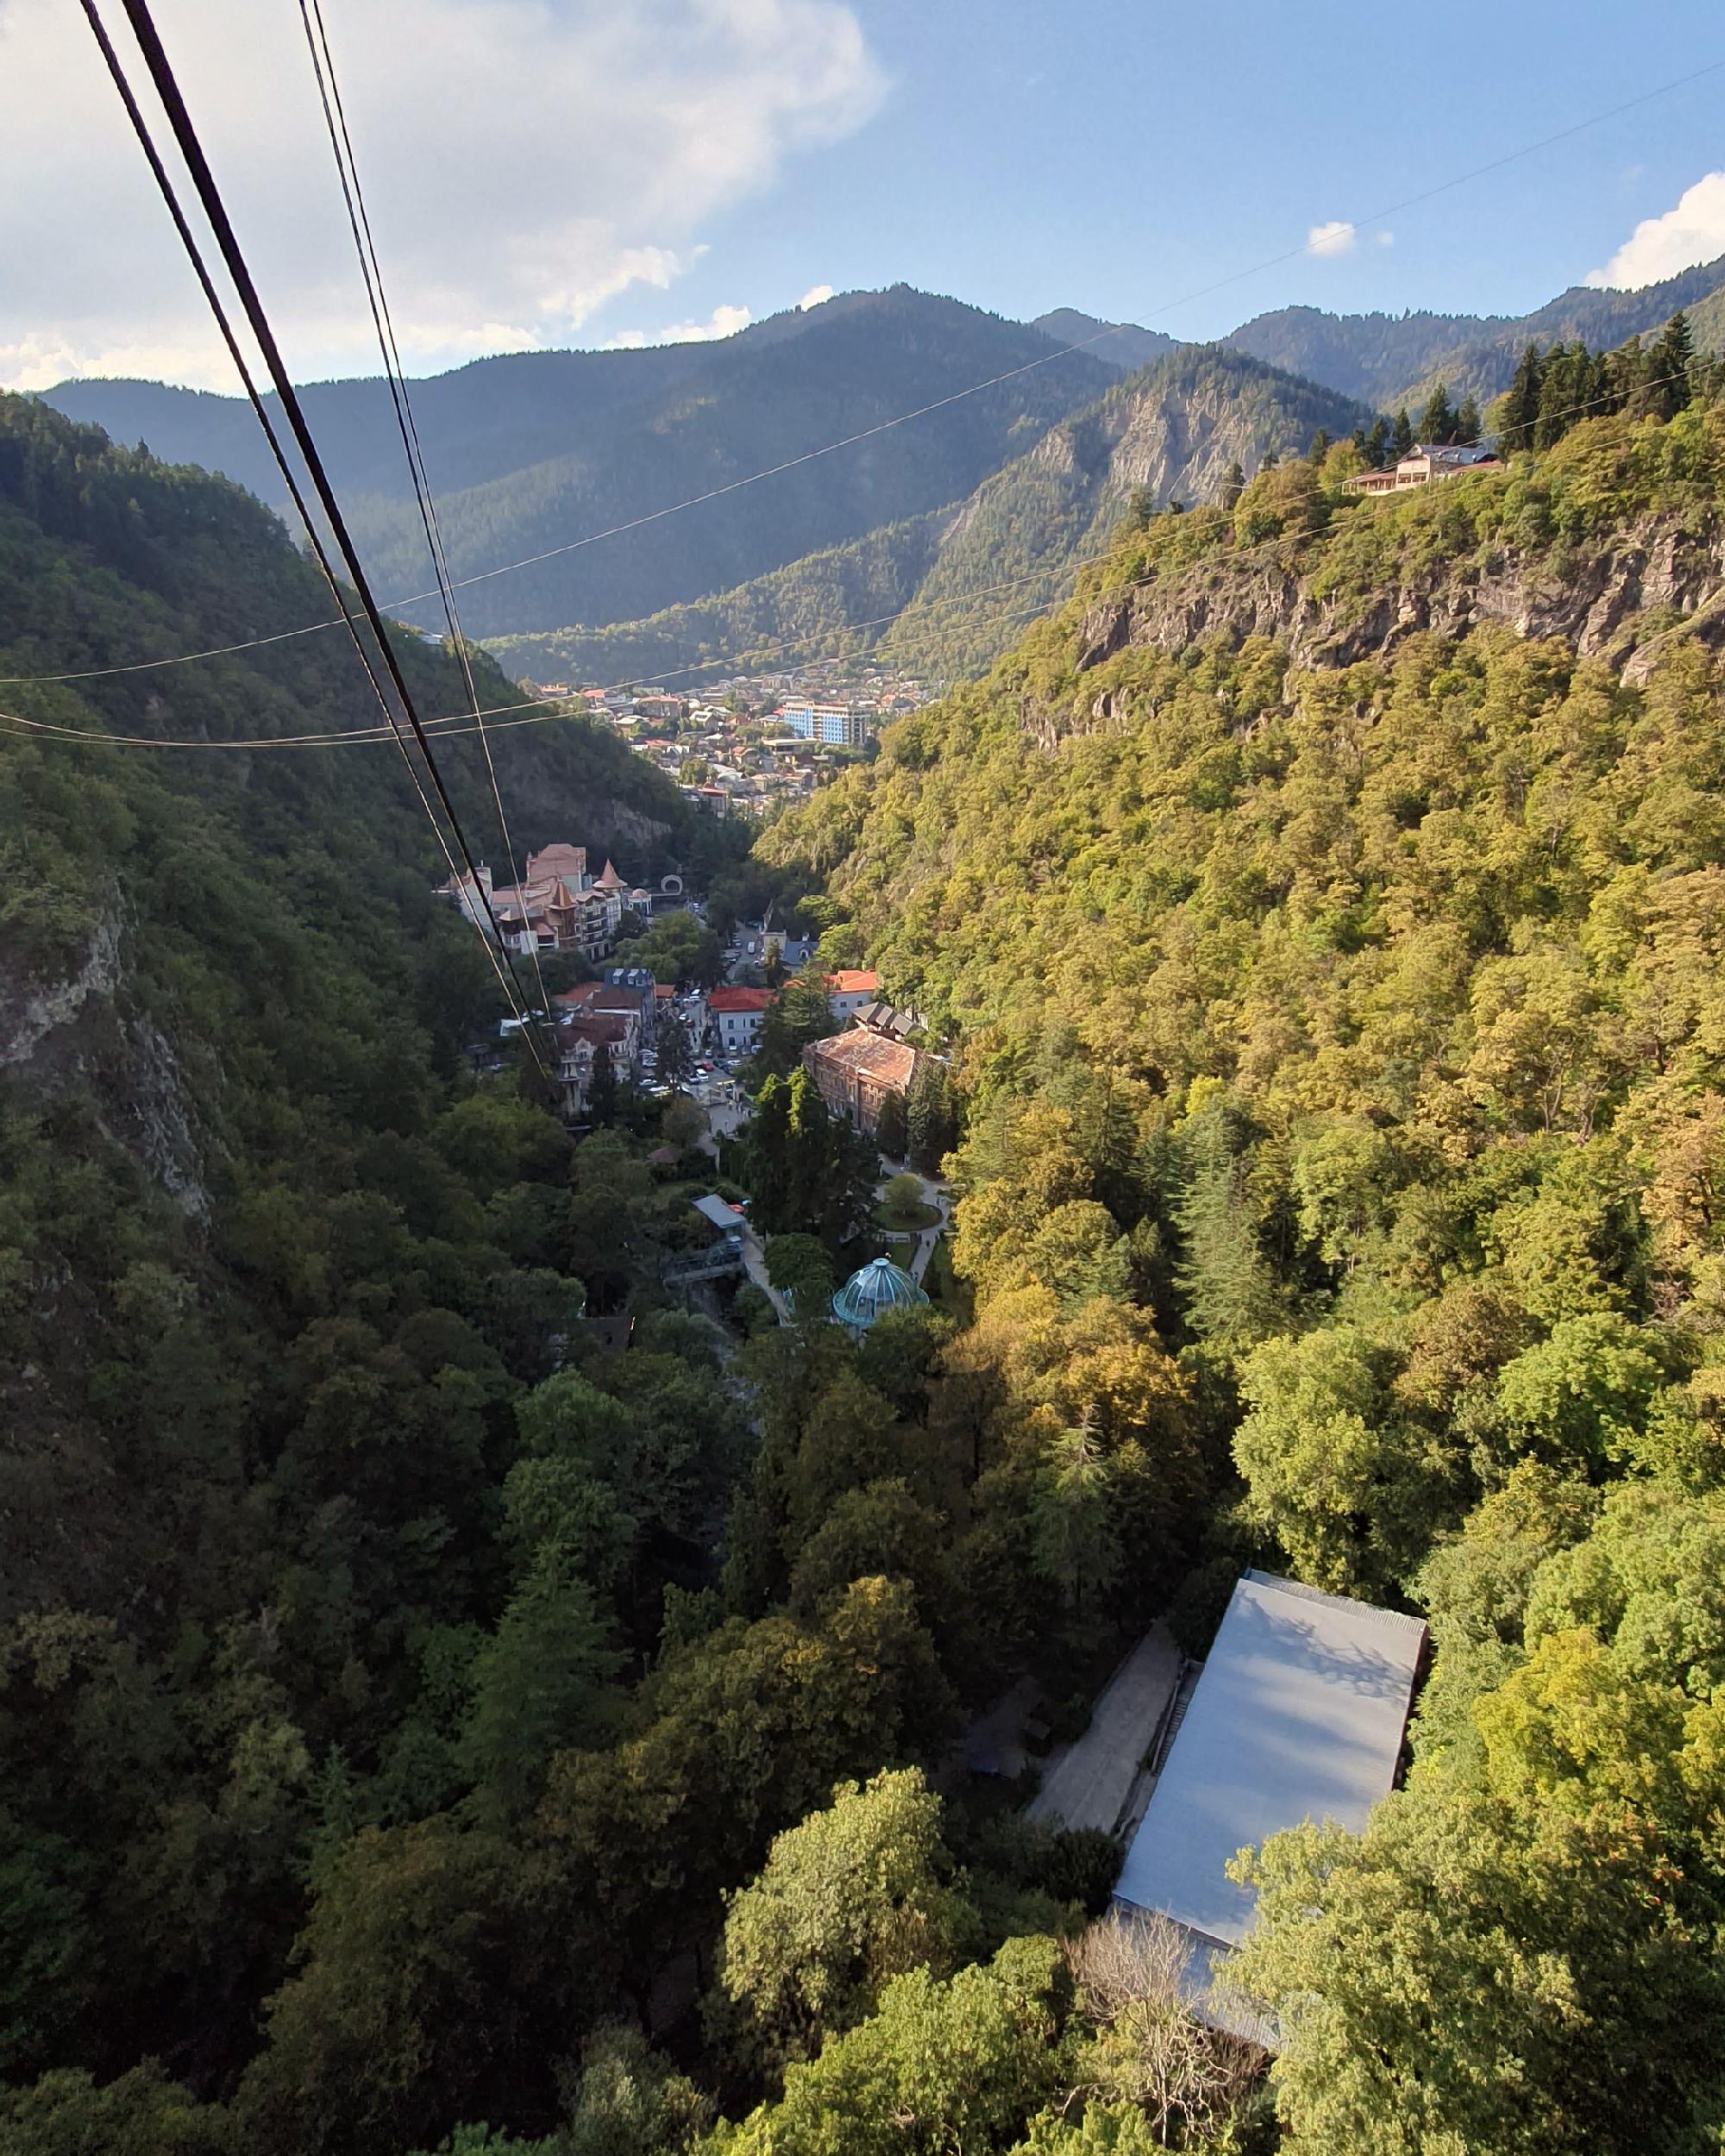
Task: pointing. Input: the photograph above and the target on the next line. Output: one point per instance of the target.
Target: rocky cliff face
(81, 1026)
(1621, 600)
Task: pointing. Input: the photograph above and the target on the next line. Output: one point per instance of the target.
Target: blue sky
(1115, 158)
(546, 172)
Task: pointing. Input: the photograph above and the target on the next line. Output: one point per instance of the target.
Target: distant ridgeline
(529, 452)
(1169, 434)
(578, 455)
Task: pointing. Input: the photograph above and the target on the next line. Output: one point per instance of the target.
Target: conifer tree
(892, 1133)
(1467, 420)
(1400, 436)
(1567, 387)
(931, 1127)
(1668, 368)
(1376, 444)
(1521, 408)
(1438, 421)
(1623, 372)
(1319, 446)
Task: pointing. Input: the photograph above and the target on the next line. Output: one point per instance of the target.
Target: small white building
(738, 1015)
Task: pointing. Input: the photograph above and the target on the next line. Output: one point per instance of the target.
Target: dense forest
(431, 1718)
(1340, 993)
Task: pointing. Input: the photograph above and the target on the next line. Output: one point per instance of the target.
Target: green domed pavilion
(880, 1285)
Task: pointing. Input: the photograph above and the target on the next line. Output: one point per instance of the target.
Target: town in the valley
(658, 1035)
(753, 743)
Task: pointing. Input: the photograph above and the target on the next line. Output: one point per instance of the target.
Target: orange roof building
(856, 1071)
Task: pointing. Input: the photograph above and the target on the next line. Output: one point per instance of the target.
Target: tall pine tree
(1520, 411)
(1438, 421)
(1400, 436)
(1668, 368)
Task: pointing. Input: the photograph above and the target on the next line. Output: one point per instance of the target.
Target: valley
(975, 1403)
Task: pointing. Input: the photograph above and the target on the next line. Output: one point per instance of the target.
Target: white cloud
(723, 321)
(1334, 238)
(816, 296)
(526, 162)
(1660, 247)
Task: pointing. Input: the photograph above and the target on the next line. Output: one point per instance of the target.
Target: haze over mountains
(1009, 483)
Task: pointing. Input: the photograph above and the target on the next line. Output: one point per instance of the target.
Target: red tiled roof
(612, 1031)
(723, 1000)
(853, 983)
(557, 861)
(866, 1054)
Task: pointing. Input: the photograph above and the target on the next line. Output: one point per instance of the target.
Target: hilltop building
(1423, 463)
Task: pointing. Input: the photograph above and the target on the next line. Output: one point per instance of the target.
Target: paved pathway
(1089, 1783)
(754, 1264)
(933, 1193)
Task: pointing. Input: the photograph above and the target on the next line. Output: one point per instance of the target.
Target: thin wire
(449, 722)
(209, 196)
(195, 253)
(359, 222)
(1186, 299)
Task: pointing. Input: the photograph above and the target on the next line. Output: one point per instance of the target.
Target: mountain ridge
(1169, 431)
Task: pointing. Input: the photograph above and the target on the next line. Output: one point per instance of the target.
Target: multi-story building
(849, 992)
(839, 725)
(556, 905)
(857, 1073)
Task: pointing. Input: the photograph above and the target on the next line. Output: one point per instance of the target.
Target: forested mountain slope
(1326, 907)
(531, 451)
(271, 1270)
(1168, 433)
(1393, 360)
(1324, 911)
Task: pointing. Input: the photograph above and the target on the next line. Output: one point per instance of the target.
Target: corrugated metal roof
(1299, 1715)
(720, 1211)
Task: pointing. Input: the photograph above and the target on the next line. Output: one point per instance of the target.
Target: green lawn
(909, 1221)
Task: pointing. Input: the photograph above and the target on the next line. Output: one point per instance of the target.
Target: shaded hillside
(809, 608)
(530, 452)
(1168, 433)
(1391, 360)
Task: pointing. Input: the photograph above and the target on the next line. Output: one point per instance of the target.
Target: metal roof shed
(1300, 1714)
(720, 1211)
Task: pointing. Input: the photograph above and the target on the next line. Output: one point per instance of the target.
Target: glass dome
(880, 1285)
